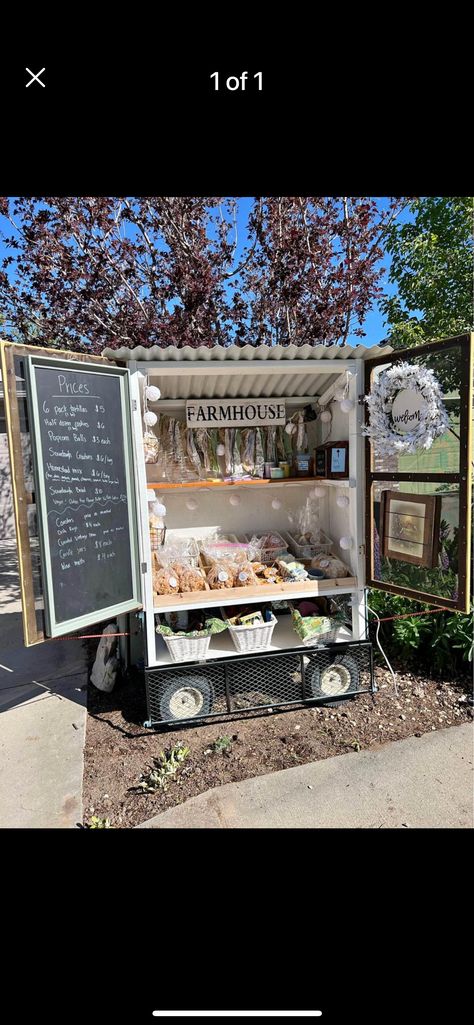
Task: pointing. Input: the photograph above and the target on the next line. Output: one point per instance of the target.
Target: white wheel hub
(185, 702)
(336, 679)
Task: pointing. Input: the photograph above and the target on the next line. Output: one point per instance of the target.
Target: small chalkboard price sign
(85, 491)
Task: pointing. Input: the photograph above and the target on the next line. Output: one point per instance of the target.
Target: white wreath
(434, 420)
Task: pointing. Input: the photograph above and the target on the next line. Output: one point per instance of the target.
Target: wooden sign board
(85, 491)
(234, 413)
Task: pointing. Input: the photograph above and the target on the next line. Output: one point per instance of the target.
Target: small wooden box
(320, 461)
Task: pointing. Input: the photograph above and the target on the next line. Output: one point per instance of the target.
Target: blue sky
(373, 324)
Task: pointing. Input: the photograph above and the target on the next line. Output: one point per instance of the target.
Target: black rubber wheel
(187, 698)
(338, 679)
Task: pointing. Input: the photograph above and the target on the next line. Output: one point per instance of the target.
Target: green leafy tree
(432, 265)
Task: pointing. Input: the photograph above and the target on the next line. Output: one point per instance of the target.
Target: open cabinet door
(418, 495)
(73, 481)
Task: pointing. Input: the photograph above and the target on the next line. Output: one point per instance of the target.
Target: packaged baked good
(244, 575)
(191, 579)
(332, 566)
(221, 574)
(165, 581)
(150, 447)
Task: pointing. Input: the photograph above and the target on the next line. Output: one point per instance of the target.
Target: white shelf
(221, 646)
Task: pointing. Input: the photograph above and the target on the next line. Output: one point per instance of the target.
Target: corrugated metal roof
(245, 352)
(285, 383)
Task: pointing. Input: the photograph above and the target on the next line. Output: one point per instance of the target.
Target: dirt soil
(118, 748)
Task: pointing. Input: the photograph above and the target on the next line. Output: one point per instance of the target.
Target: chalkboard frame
(134, 602)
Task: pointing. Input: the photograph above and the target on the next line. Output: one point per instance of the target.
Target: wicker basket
(187, 649)
(267, 555)
(251, 638)
(308, 551)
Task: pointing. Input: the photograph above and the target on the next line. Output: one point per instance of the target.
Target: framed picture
(410, 527)
(338, 459)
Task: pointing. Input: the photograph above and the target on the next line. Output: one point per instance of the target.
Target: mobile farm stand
(83, 531)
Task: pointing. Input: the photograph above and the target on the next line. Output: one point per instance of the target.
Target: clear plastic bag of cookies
(221, 574)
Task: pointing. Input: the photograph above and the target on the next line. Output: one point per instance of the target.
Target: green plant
(441, 642)
(165, 768)
(97, 823)
(222, 744)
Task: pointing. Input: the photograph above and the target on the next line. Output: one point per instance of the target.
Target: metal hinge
(144, 567)
(134, 405)
(361, 549)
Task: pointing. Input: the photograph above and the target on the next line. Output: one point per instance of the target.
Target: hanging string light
(342, 501)
(151, 394)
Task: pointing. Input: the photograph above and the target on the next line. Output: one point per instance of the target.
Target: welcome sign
(234, 413)
(408, 410)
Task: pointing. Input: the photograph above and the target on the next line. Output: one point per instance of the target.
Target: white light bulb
(150, 418)
(347, 405)
(346, 542)
(234, 500)
(191, 504)
(342, 501)
(318, 493)
(325, 416)
(159, 509)
(152, 393)
(220, 450)
(339, 394)
(276, 504)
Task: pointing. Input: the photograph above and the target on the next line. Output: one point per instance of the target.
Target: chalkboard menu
(85, 491)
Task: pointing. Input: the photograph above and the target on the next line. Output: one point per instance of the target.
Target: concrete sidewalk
(418, 782)
(43, 719)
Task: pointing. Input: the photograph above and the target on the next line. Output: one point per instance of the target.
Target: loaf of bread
(331, 566)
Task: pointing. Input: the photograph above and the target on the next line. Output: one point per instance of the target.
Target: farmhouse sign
(408, 410)
(234, 413)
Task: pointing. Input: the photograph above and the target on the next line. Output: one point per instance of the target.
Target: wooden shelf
(249, 595)
(221, 646)
(255, 482)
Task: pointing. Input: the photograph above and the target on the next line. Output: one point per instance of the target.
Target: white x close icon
(35, 78)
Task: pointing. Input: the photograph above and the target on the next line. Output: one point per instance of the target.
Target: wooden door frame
(463, 478)
(22, 497)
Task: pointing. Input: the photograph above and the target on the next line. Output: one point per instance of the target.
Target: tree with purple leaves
(90, 272)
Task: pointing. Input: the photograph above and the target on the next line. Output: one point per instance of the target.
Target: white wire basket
(251, 638)
(309, 550)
